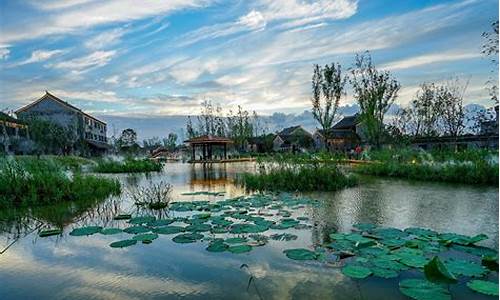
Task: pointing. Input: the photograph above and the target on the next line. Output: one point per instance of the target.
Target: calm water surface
(68, 267)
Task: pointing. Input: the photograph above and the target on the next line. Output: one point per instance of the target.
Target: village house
(84, 126)
(343, 136)
(294, 138)
(14, 135)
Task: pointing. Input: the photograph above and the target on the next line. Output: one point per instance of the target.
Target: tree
(191, 132)
(375, 91)
(170, 142)
(451, 96)
(128, 138)
(490, 50)
(239, 126)
(425, 111)
(328, 86)
(50, 137)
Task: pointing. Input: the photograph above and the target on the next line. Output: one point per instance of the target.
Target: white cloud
(112, 79)
(427, 59)
(40, 55)
(4, 52)
(85, 14)
(253, 20)
(105, 39)
(81, 64)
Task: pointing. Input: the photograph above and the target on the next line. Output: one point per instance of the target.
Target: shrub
(127, 166)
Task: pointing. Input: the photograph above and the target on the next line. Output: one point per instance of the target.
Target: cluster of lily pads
(237, 225)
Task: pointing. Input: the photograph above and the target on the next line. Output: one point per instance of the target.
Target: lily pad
(357, 272)
(217, 246)
(420, 289)
(466, 268)
(491, 262)
(161, 222)
(49, 232)
(239, 249)
(384, 273)
(88, 230)
(300, 254)
(414, 261)
(142, 220)
(136, 229)
(169, 230)
(436, 271)
(235, 240)
(484, 287)
(122, 244)
(110, 231)
(145, 236)
(187, 238)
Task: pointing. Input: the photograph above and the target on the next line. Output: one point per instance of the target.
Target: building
(294, 138)
(85, 127)
(14, 134)
(343, 136)
(261, 144)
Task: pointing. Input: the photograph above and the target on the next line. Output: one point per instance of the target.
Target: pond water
(69, 267)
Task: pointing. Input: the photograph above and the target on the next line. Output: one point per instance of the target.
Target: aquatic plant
(153, 195)
(128, 165)
(40, 182)
(297, 177)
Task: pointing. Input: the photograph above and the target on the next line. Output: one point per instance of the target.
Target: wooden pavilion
(206, 143)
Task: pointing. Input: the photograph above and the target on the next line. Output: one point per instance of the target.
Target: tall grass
(33, 182)
(284, 176)
(127, 166)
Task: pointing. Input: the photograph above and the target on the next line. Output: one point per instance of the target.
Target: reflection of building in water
(209, 174)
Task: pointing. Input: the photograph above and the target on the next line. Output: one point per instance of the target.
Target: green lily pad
(421, 232)
(110, 231)
(247, 228)
(491, 262)
(357, 272)
(436, 271)
(388, 264)
(88, 230)
(219, 229)
(142, 220)
(420, 289)
(136, 229)
(162, 222)
(235, 240)
(217, 246)
(300, 254)
(384, 273)
(49, 232)
(484, 287)
(466, 268)
(475, 250)
(239, 249)
(122, 244)
(145, 236)
(198, 228)
(169, 230)
(187, 238)
(414, 261)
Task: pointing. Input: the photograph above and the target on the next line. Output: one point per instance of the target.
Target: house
(293, 139)
(261, 144)
(85, 127)
(343, 136)
(14, 134)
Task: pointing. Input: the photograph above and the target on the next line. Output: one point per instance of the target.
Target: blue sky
(161, 58)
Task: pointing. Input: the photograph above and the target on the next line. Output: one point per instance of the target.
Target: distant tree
(375, 91)
(170, 142)
(128, 138)
(328, 86)
(206, 119)
(239, 126)
(451, 96)
(426, 110)
(490, 50)
(190, 131)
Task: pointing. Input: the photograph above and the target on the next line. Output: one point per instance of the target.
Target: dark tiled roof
(208, 139)
(289, 130)
(342, 133)
(347, 122)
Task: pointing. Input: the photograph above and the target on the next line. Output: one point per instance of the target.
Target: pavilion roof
(209, 139)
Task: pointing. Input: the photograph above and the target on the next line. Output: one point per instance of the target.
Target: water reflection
(87, 268)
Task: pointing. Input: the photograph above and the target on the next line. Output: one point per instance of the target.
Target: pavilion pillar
(225, 151)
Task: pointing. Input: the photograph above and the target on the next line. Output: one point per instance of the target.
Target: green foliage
(357, 272)
(297, 177)
(32, 182)
(419, 289)
(123, 244)
(436, 271)
(51, 138)
(484, 287)
(127, 166)
(300, 254)
(88, 230)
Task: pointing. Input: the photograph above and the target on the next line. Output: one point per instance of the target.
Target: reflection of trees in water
(325, 217)
(208, 174)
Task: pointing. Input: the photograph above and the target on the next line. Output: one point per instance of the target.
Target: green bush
(33, 182)
(297, 177)
(127, 166)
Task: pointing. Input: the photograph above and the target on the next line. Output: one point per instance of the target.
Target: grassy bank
(127, 166)
(34, 182)
(297, 177)
(469, 166)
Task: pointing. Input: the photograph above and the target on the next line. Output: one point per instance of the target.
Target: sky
(158, 60)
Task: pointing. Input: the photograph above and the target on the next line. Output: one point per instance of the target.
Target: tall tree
(451, 97)
(374, 91)
(170, 142)
(328, 86)
(128, 138)
(191, 132)
(426, 110)
(490, 50)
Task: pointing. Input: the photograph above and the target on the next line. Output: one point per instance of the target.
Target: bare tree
(328, 86)
(490, 50)
(425, 111)
(451, 96)
(375, 91)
